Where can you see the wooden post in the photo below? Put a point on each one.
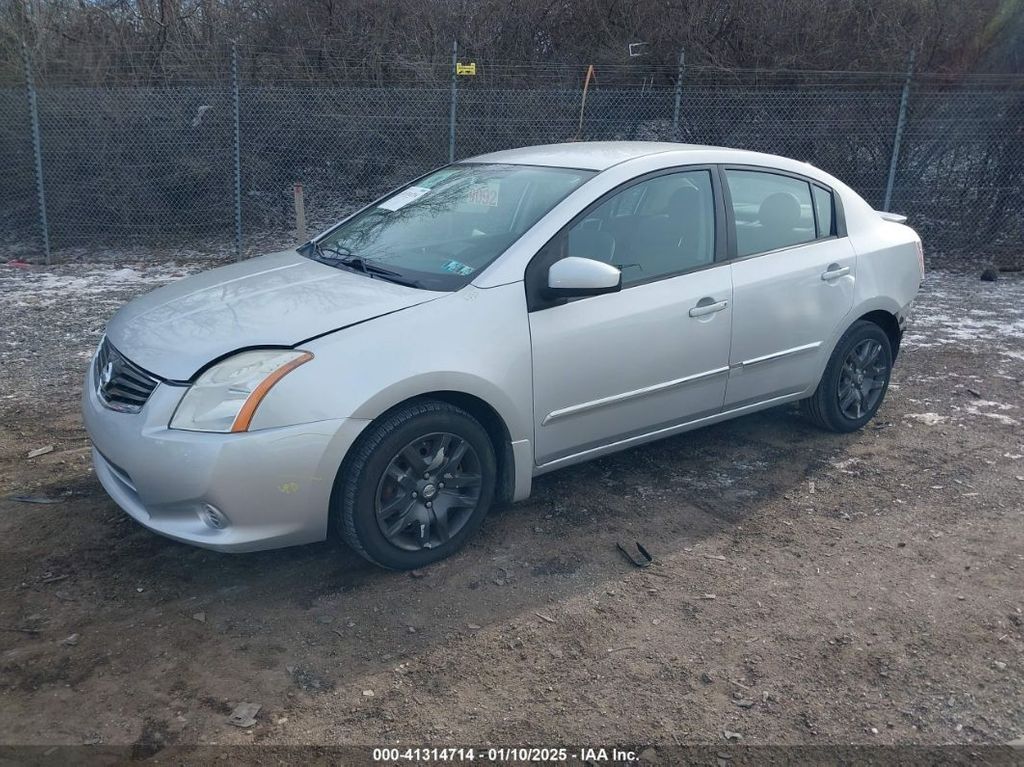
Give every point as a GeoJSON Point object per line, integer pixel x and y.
{"type": "Point", "coordinates": [300, 215]}
{"type": "Point", "coordinates": [236, 107]}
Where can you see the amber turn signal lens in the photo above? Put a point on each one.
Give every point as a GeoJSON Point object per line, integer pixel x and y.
{"type": "Point", "coordinates": [244, 417]}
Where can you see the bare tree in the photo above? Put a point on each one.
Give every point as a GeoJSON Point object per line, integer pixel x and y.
{"type": "Point", "coordinates": [368, 39]}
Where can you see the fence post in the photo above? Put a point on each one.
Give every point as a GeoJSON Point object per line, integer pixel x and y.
{"type": "Point", "coordinates": [679, 95]}
{"type": "Point", "coordinates": [236, 104]}
{"type": "Point", "coordinates": [900, 121]}
{"type": "Point", "coordinates": [37, 150]}
{"type": "Point", "coordinates": [455, 98]}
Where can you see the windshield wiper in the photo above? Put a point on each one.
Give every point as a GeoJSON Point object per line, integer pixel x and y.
{"type": "Point", "coordinates": [332, 254]}
{"type": "Point", "coordinates": [365, 265]}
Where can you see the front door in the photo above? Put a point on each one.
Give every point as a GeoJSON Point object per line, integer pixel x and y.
{"type": "Point", "coordinates": [613, 366]}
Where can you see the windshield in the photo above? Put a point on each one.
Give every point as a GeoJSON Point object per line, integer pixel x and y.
{"type": "Point", "coordinates": [443, 229]}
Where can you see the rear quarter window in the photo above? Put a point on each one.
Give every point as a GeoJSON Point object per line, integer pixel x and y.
{"type": "Point", "coordinates": [825, 212]}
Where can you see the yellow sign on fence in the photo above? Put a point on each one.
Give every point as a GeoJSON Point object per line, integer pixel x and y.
{"type": "Point", "coordinates": [465, 69]}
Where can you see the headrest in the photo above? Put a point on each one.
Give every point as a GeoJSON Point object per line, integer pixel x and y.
{"type": "Point", "coordinates": [780, 210]}
{"type": "Point", "coordinates": [686, 198]}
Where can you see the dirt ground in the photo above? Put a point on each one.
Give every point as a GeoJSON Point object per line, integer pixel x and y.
{"type": "Point", "coordinates": [809, 588]}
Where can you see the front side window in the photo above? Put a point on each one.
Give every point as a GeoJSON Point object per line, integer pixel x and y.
{"type": "Point", "coordinates": [770, 211]}
{"type": "Point", "coordinates": [441, 231]}
{"type": "Point", "coordinates": [658, 227]}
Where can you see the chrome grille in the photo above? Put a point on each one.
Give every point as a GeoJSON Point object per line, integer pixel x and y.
{"type": "Point", "coordinates": [121, 384]}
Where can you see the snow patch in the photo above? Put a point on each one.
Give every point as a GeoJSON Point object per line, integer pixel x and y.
{"type": "Point", "coordinates": [45, 288]}
{"type": "Point", "coordinates": [961, 310]}
{"type": "Point", "coordinates": [984, 407]}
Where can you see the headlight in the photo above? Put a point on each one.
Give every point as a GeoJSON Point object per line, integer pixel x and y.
{"type": "Point", "coordinates": [225, 397]}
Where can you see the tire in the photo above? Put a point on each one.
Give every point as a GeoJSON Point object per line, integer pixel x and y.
{"type": "Point", "coordinates": [845, 401]}
{"type": "Point", "coordinates": [391, 504]}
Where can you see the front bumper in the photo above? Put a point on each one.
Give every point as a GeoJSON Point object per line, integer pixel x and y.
{"type": "Point", "coordinates": [272, 486]}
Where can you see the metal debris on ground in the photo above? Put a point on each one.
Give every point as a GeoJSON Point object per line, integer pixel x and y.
{"type": "Point", "coordinates": [641, 559]}
{"type": "Point", "coordinates": [244, 715]}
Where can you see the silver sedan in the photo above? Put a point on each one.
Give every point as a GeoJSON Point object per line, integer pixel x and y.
{"type": "Point", "coordinates": [496, 319]}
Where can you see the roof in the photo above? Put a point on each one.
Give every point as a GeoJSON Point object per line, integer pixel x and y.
{"type": "Point", "coordinates": [591, 155]}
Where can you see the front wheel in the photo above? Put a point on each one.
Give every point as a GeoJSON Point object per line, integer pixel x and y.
{"type": "Point", "coordinates": [417, 484]}
{"type": "Point", "coordinates": [855, 380]}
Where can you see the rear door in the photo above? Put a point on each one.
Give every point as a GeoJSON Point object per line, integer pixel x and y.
{"type": "Point", "coordinates": [793, 274]}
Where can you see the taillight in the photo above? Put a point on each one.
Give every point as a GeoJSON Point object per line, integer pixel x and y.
{"type": "Point", "coordinates": [920, 256]}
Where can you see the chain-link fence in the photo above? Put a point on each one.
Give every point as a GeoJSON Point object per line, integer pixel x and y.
{"type": "Point", "coordinates": [206, 155]}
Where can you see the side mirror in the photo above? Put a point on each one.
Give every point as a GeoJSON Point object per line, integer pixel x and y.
{"type": "Point", "coordinates": [572, 276]}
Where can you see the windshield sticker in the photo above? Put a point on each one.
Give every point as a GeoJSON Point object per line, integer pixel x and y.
{"type": "Point", "coordinates": [484, 195]}
{"type": "Point", "coordinates": [457, 267]}
{"type": "Point", "coordinates": [403, 198]}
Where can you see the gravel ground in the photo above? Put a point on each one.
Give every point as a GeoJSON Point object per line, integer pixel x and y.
{"type": "Point", "coordinates": [809, 588]}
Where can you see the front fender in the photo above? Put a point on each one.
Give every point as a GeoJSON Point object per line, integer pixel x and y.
{"type": "Point", "coordinates": [475, 341]}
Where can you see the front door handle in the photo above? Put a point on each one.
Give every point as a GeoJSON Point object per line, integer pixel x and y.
{"type": "Point", "coordinates": [708, 306]}
{"type": "Point", "coordinates": [834, 272]}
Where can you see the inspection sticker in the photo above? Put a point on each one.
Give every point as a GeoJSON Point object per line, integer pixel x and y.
{"type": "Point", "coordinates": [404, 197]}
{"type": "Point", "coordinates": [457, 267]}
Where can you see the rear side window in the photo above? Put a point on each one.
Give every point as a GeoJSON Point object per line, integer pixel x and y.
{"type": "Point", "coordinates": [770, 211]}
{"type": "Point", "coordinates": [823, 212]}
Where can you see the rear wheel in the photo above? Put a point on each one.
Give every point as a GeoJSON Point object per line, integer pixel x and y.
{"type": "Point", "coordinates": [417, 485]}
{"type": "Point", "coordinates": [855, 380]}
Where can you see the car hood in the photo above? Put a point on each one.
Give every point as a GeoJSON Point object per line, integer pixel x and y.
{"type": "Point", "coordinates": [275, 300]}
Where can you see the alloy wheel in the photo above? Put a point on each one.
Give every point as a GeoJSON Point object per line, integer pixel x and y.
{"type": "Point", "coordinates": [862, 379]}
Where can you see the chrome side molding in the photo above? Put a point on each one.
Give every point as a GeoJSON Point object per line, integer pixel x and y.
{"type": "Point", "coordinates": [778, 355]}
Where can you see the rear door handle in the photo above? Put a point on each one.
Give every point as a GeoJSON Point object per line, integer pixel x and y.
{"type": "Point", "coordinates": [834, 272]}
{"type": "Point", "coordinates": [708, 306]}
